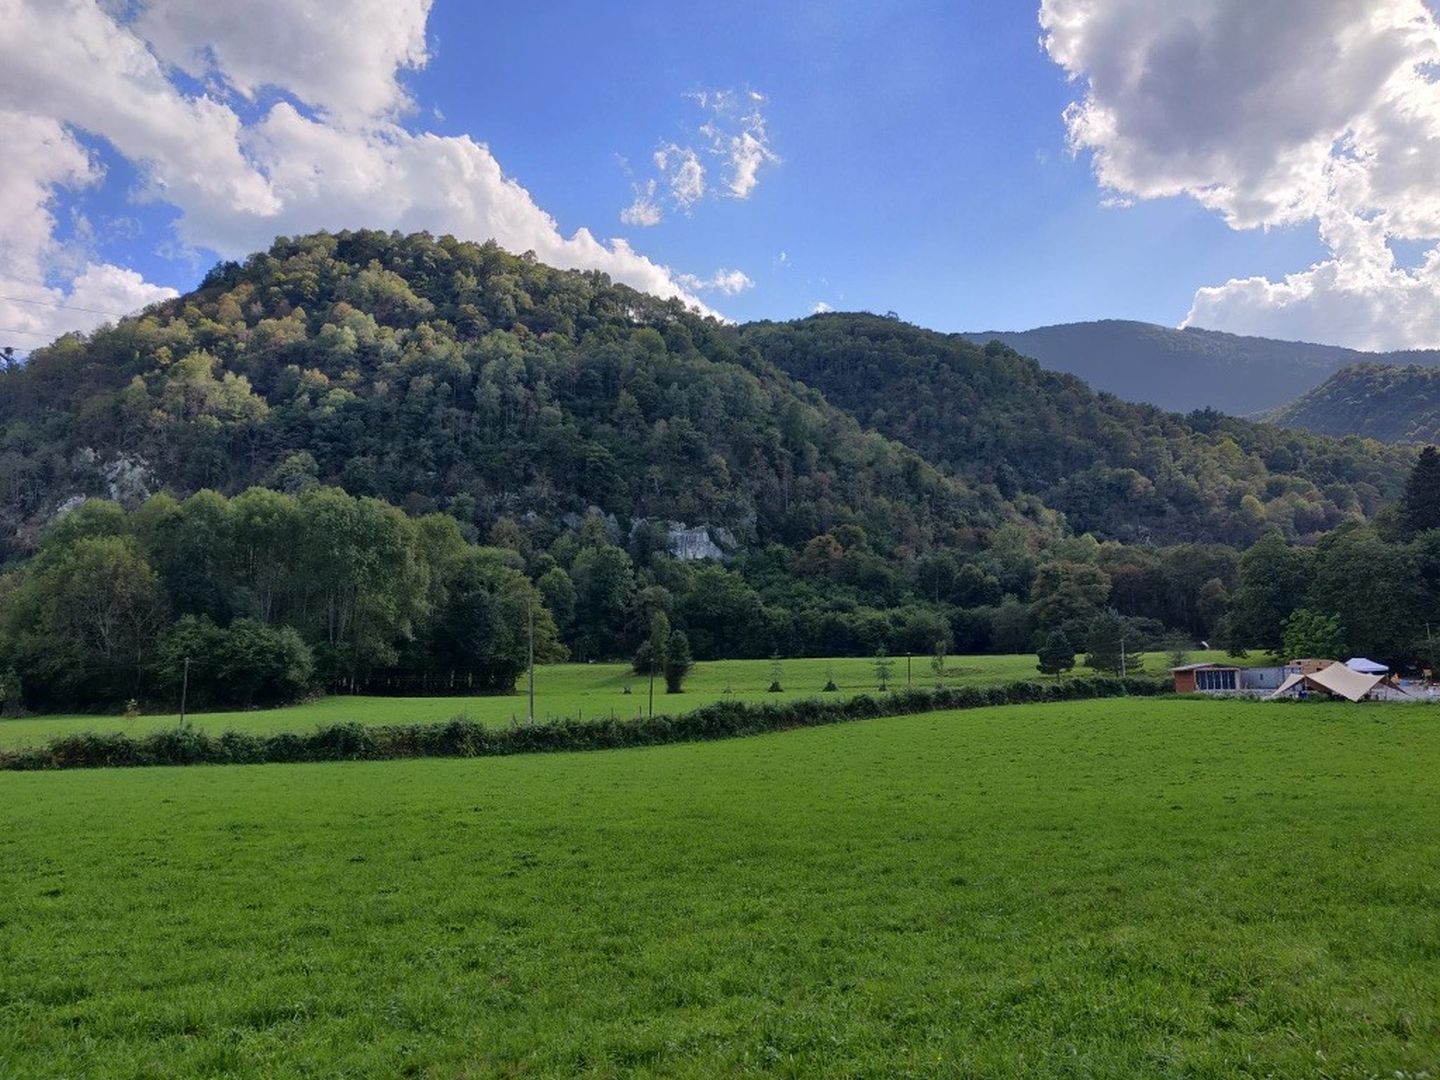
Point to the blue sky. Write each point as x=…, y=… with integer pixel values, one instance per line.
x=916, y=155
x=924, y=166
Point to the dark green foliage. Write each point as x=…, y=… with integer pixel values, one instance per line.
x=678, y=662
x=1309, y=634
x=1274, y=579
x=1056, y=655
x=465, y=738
x=319, y=590
x=1114, y=644
x=1394, y=403
x=246, y=663
x=1420, y=508
x=1131, y=472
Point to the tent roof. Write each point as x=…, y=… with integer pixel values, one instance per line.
x=1337, y=679
x=1365, y=667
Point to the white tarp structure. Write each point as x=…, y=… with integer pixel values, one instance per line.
x=1336, y=679
x=1366, y=667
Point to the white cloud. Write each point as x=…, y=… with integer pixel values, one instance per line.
x=644, y=211
x=344, y=58
x=41, y=156
x=684, y=175
x=70, y=66
x=733, y=139
x=729, y=282
x=820, y=308
x=1280, y=113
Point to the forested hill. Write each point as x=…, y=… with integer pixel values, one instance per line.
x=444, y=375
x=1189, y=369
x=1392, y=403
x=1121, y=470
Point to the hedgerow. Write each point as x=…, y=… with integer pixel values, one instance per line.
x=461, y=737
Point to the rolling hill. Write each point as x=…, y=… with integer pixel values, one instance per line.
x=1191, y=368
x=1395, y=404
x=438, y=374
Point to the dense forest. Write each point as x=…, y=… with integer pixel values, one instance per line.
x=1392, y=403
x=1116, y=469
x=365, y=460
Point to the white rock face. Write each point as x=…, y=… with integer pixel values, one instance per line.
x=690, y=544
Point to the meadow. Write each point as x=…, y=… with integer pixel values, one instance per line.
x=574, y=691
x=1119, y=888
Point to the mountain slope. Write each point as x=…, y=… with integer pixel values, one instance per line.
x=441, y=374
x=445, y=375
x=1191, y=368
x=1121, y=470
x=1395, y=404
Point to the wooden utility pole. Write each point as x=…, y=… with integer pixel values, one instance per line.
x=184, y=690
x=530, y=623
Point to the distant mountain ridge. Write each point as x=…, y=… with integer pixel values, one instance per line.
x=1183, y=370
x=1389, y=402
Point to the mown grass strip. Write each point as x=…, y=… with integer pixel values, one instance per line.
x=461, y=737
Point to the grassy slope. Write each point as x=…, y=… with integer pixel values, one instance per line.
x=1188, y=888
x=573, y=690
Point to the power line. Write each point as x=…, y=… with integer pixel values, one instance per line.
x=31, y=333
x=67, y=307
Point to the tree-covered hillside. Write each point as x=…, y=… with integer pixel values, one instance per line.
x=443, y=375
x=1388, y=402
x=1191, y=368
x=366, y=459
x=1132, y=472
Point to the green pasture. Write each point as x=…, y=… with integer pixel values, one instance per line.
x=1111, y=889
x=572, y=690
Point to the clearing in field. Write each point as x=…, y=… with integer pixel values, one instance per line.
x=1097, y=889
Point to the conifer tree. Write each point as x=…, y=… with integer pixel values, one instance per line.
x=1056, y=654
x=1420, y=509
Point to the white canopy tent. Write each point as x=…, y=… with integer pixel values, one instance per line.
x=1366, y=667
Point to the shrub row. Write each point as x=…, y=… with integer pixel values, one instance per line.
x=465, y=738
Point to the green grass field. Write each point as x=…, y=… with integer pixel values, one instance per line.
x=1124, y=888
x=568, y=690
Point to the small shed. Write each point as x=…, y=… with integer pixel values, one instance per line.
x=1205, y=678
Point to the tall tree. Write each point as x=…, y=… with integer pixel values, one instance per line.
x=1056, y=654
x=1420, y=508
x=1274, y=580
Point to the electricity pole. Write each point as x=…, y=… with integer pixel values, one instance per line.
x=530, y=623
x=184, y=690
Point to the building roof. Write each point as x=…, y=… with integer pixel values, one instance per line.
x=1337, y=679
x=1206, y=666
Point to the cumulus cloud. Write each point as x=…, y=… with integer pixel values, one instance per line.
x=1282, y=113
x=820, y=308
x=41, y=156
x=343, y=58
x=729, y=282
x=75, y=66
x=722, y=156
